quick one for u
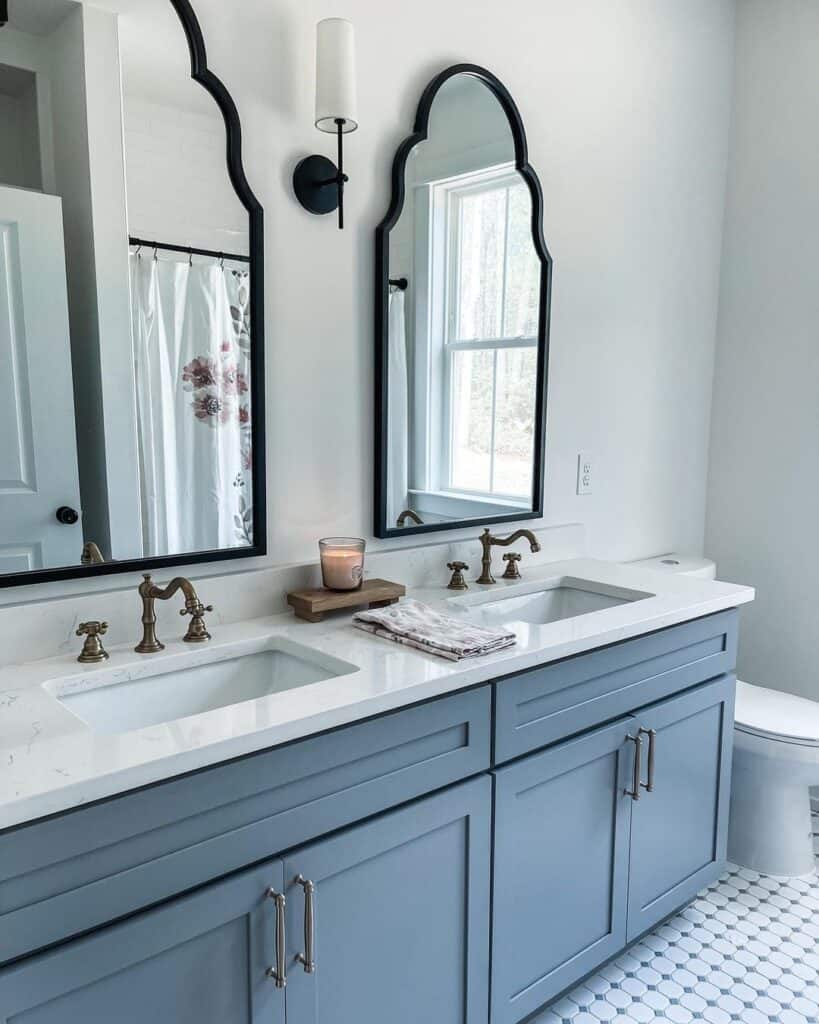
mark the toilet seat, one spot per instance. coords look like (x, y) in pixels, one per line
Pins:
(775, 715)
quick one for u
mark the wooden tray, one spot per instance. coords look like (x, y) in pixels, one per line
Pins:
(313, 604)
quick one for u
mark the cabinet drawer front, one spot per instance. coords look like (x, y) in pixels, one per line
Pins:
(679, 830)
(543, 705)
(88, 867)
(561, 867)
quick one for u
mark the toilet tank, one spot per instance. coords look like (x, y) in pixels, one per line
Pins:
(685, 565)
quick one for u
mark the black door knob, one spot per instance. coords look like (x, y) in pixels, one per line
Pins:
(67, 516)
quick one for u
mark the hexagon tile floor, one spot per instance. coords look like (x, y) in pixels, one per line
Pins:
(746, 951)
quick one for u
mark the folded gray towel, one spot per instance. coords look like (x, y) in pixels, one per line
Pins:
(417, 625)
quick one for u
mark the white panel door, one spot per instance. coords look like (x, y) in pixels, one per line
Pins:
(38, 445)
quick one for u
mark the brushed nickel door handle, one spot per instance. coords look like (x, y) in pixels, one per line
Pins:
(278, 974)
(652, 742)
(637, 740)
(308, 958)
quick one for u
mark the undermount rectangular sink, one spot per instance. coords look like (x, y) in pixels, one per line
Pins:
(539, 603)
(113, 706)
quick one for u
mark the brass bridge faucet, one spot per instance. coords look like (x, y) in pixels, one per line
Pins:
(487, 541)
(197, 632)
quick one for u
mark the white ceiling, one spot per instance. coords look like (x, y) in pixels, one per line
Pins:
(38, 17)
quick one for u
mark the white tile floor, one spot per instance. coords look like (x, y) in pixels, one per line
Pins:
(747, 950)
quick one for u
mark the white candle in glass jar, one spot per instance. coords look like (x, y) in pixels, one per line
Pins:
(342, 563)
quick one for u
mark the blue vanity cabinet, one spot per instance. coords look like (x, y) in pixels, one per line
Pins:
(581, 867)
(400, 916)
(400, 929)
(200, 959)
(560, 884)
(406, 848)
(679, 829)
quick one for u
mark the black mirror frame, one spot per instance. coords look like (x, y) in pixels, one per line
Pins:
(201, 73)
(382, 260)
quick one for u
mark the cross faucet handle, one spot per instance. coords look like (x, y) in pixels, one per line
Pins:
(197, 630)
(92, 652)
(457, 569)
(92, 629)
(512, 571)
(197, 609)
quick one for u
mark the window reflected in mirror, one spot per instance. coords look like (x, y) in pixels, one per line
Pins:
(465, 345)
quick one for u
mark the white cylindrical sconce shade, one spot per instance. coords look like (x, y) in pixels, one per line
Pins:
(336, 92)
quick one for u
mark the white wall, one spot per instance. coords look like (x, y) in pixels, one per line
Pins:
(178, 186)
(106, 161)
(19, 154)
(763, 499)
(627, 107)
(11, 152)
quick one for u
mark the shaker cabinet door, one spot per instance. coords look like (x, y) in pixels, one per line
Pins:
(561, 867)
(679, 826)
(201, 959)
(392, 916)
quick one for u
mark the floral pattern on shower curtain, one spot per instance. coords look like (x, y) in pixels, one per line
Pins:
(191, 336)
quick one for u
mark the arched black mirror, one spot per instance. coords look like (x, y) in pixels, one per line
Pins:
(463, 280)
(131, 356)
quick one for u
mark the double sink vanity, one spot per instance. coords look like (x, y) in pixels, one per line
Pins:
(292, 813)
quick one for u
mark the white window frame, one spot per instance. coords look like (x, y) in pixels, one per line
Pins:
(446, 196)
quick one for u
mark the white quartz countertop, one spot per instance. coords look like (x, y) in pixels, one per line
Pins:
(51, 761)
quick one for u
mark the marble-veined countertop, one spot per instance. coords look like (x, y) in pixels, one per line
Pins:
(51, 761)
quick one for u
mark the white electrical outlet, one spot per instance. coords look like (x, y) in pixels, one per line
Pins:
(584, 473)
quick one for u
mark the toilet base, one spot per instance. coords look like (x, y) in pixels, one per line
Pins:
(770, 829)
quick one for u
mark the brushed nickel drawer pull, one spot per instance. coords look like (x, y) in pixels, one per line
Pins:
(308, 958)
(637, 740)
(652, 737)
(278, 974)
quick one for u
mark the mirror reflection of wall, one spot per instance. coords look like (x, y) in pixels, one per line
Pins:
(463, 322)
(125, 392)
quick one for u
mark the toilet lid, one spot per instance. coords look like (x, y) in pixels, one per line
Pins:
(776, 714)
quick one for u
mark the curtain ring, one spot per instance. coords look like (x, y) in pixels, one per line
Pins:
(138, 253)
(156, 254)
(190, 259)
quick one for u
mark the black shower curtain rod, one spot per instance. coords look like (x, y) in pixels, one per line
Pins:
(188, 250)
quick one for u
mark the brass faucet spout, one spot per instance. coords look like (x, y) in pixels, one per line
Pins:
(488, 541)
(409, 514)
(150, 594)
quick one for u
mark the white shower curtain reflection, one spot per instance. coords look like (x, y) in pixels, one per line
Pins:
(397, 410)
(191, 368)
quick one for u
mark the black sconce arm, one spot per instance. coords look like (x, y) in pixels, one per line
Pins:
(319, 183)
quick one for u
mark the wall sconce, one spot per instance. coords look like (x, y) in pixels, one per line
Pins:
(317, 181)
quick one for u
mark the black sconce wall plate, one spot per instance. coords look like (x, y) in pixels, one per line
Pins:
(314, 182)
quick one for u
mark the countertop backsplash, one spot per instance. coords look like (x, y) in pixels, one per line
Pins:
(43, 629)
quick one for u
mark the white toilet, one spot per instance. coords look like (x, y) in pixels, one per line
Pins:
(776, 761)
